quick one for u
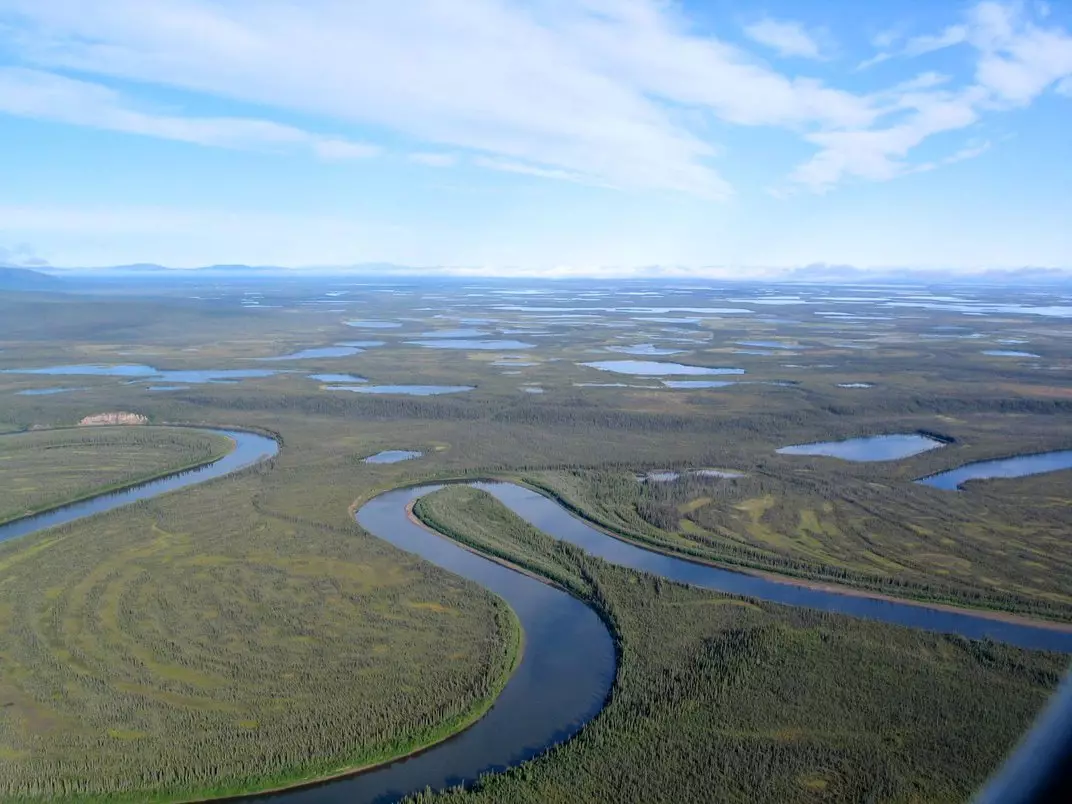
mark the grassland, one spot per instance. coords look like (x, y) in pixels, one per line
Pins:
(718, 698)
(246, 633)
(42, 470)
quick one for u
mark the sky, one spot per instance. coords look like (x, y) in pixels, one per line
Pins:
(559, 136)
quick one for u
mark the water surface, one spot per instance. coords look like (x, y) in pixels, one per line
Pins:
(393, 456)
(1022, 466)
(321, 351)
(409, 390)
(654, 368)
(697, 384)
(491, 345)
(46, 391)
(551, 518)
(871, 448)
(146, 372)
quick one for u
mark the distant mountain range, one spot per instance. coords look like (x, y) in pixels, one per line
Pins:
(818, 273)
(26, 279)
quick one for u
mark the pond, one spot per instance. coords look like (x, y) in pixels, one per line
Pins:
(393, 456)
(769, 345)
(697, 384)
(1009, 353)
(1021, 466)
(644, 349)
(321, 351)
(872, 448)
(668, 475)
(448, 343)
(337, 378)
(654, 368)
(408, 390)
(46, 391)
(855, 385)
(455, 333)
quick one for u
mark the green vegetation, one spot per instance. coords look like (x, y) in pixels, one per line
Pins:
(987, 548)
(245, 633)
(42, 470)
(171, 650)
(719, 698)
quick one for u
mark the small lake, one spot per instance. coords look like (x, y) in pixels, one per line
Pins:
(46, 391)
(322, 351)
(654, 368)
(855, 385)
(393, 456)
(337, 378)
(408, 390)
(698, 384)
(1022, 466)
(165, 388)
(644, 349)
(769, 345)
(494, 346)
(374, 324)
(147, 372)
(669, 475)
(455, 333)
(871, 448)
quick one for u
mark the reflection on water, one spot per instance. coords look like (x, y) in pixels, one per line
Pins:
(871, 448)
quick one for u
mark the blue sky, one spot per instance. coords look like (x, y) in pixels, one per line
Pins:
(548, 136)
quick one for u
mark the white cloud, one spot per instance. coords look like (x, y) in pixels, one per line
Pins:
(1065, 87)
(440, 160)
(613, 93)
(785, 38)
(47, 96)
(950, 37)
(1016, 60)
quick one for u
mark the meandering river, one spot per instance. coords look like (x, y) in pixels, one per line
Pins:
(568, 663)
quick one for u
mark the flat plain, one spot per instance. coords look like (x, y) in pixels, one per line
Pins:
(277, 641)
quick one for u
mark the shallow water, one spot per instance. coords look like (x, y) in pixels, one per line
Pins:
(337, 378)
(46, 391)
(322, 351)
(393, 456)
(871, 448)
(697, 384)
(408, 390)
(653, 368)
(449, 343)
(644, 349)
